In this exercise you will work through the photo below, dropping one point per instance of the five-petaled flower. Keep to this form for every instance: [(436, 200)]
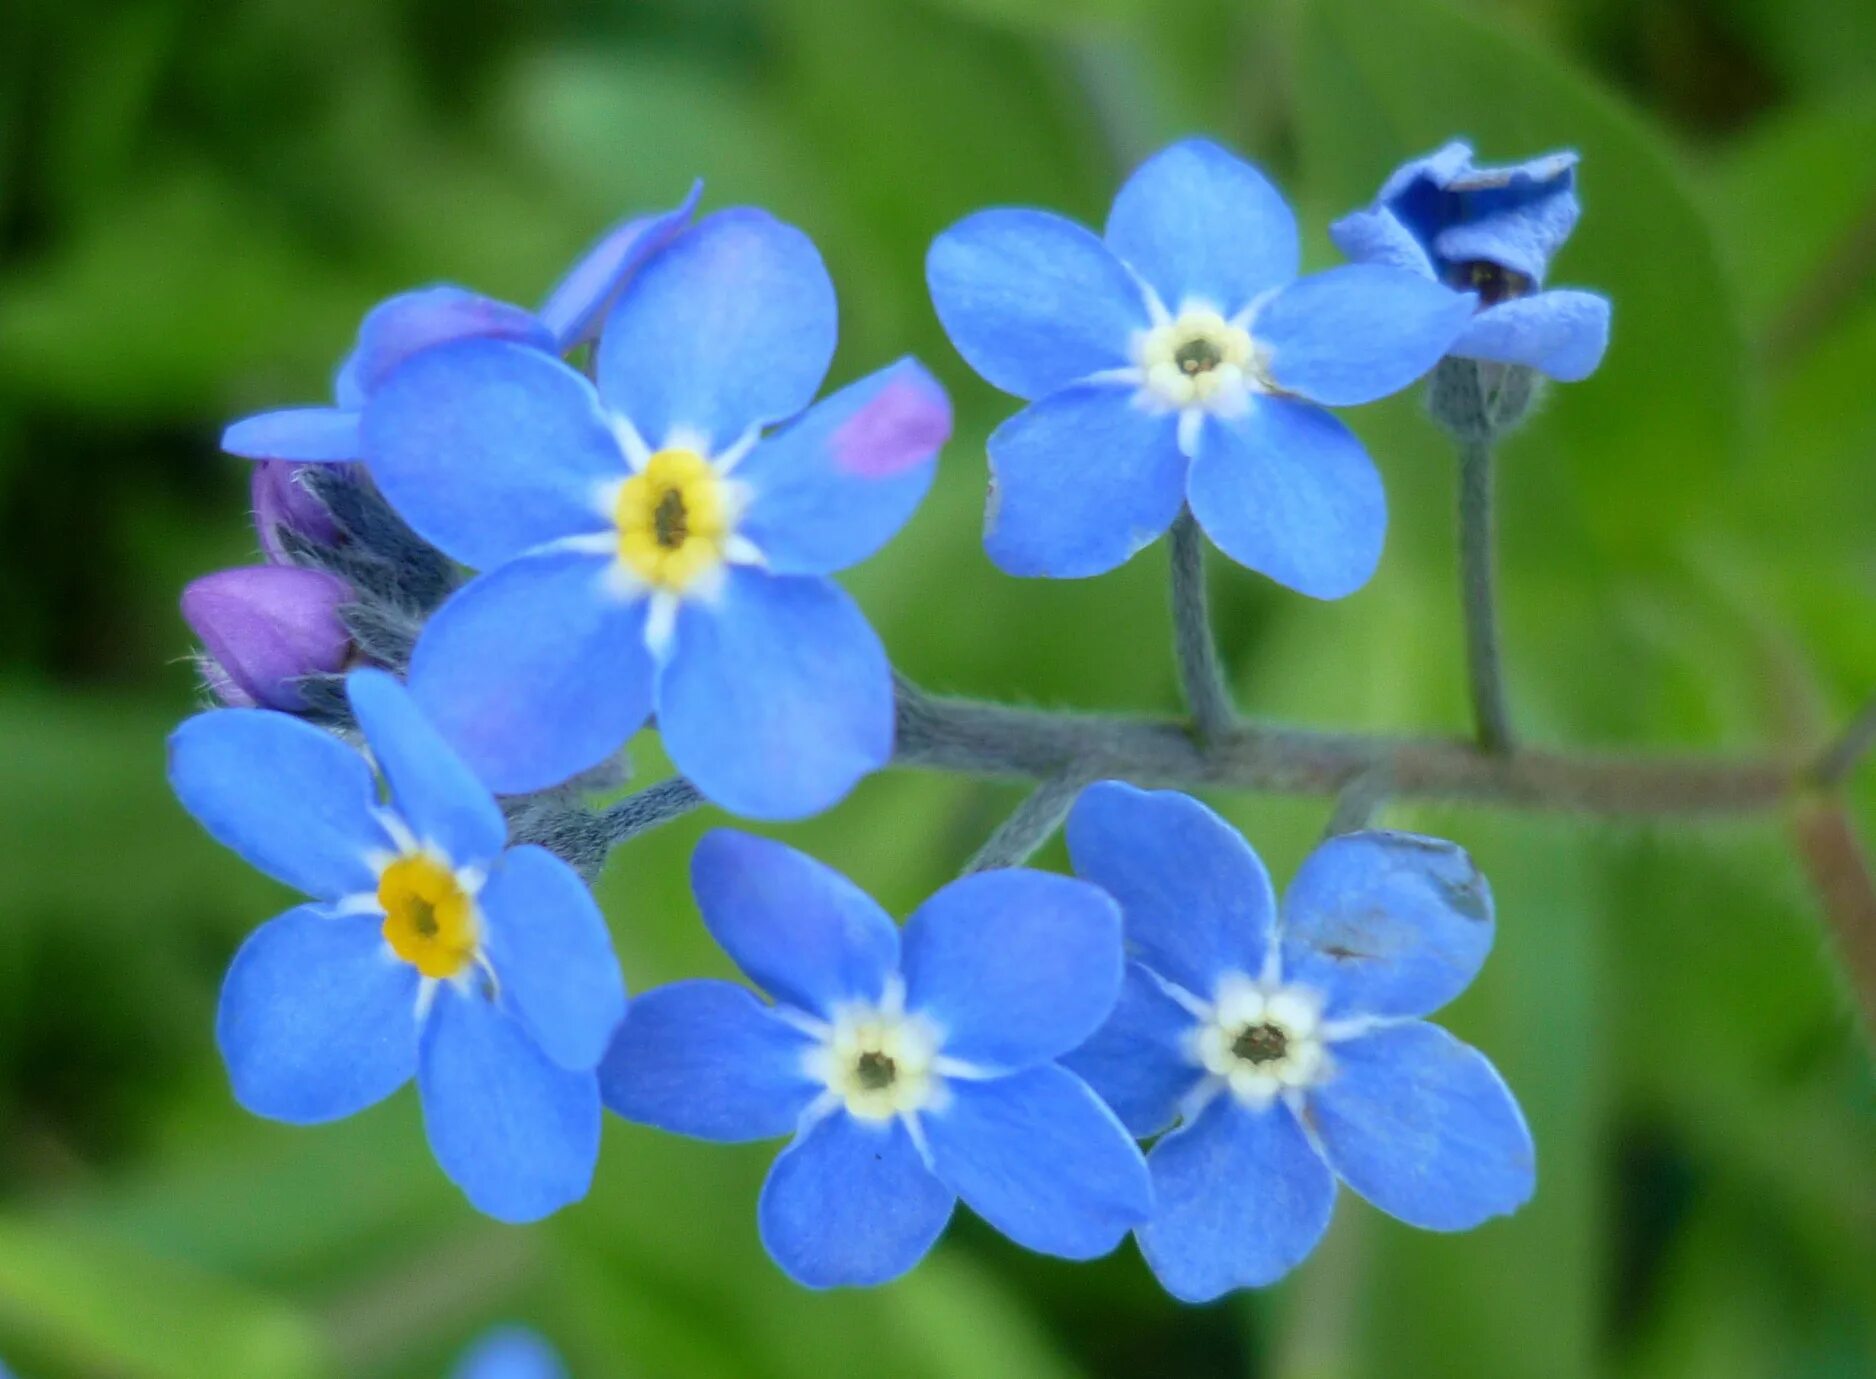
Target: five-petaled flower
[(1178, 361), (429, 947), (400, 326), (510, 1352), (909, 1078), (646, 546), (1491, 231), (1291, 1050)]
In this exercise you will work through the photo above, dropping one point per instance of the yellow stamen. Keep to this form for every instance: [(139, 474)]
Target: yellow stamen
[(429, 920), (673, 519)]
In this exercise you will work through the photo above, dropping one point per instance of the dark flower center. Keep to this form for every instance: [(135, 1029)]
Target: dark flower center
[(1197, 356), (1493, 282), (875, 1071), (1260, 1043), (670, 523)]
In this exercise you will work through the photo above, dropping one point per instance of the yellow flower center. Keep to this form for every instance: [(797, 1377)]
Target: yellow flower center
[(673, 519), (429, 920)]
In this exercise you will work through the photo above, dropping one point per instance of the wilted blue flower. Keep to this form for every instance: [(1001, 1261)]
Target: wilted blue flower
[(1180, 361), (908, 1080), (427, 948), (646, 546), (512, 1352), (1491, 231), (402, 325), (265, 627), (1290, 1049)]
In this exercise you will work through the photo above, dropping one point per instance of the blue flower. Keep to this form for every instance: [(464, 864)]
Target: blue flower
[(1177, 362), (511, 1352), (1290, 1049), (908, 1078), (426, 948), (646, 546), (400, 326), (1491, 231)]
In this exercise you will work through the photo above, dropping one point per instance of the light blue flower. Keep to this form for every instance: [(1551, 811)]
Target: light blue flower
[(909, 1078), (1491, 231), (1290, 1049), (1179, 361), (646, 546), (428, 947), (510, 1352), (402, 325)]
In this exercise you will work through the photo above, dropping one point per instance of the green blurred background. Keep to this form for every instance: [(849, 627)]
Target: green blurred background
[(199, 198)]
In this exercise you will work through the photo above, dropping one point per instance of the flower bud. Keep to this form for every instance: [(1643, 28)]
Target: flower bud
[(282, 501), (266, 626)]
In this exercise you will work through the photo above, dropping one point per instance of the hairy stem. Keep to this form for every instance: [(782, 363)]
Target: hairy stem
[(1478, 578), (1030, 826), (1201, 677)]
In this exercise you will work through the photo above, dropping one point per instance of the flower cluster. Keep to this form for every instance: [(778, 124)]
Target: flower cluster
[(517, 537)]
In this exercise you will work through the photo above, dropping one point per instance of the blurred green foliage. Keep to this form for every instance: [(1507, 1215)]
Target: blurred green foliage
[(198, 199)]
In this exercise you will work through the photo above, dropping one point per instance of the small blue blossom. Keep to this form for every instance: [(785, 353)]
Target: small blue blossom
[(1491, 231), (910, 1075), (428, 948), (646, 546), (1289, 1049), (1179, 361), (400, 326), (510, 1352)]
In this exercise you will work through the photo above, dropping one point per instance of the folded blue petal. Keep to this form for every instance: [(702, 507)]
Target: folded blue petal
[(707, 1059), (1562, 333), (309, 818), (1378, 236), (410, 322), (851, 1204), (1080, 481), (317, 1018), (310, 435), (1014, 967), (1137, 1061), (777, 697), (580, 300), (801, 930), (1357, 333), (1386, 924), (431, 789), (1032, 301), (1288, 491)]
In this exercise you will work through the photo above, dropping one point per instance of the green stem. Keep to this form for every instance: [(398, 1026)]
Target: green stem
[(1477, 578)]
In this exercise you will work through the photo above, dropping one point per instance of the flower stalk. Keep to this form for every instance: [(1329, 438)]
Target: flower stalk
[(1485, 674), (1201, 674)]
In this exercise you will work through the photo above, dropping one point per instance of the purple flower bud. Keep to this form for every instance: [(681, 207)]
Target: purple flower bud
[(281, 500), (264, 626)]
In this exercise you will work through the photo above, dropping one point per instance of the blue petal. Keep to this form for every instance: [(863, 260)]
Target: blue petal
[(1014, 966), (317, 1018), (431, 789), (778, 696), (552, 956), (1288, 491), (839, 483), (396, 329), (1032, 301), (488, 449), (290, 799), (1378, 236), (709, 1060), (731, 327), (1137, 1062), (1240, 1199), (1080, 481), (850, 1204), (1195, 899), (1516, 216), (1562, 333), (803, 932), (534, 671), (1386, 924), (581, 299), (311, 435), (1358, 333), (1039, 1157), (515, 1131), (511, 1353), (1423, 1127), (1197, 221)]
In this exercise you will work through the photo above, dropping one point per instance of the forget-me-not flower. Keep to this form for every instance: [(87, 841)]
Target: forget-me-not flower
[(1289, 1047), (510, 1352), (1179, 360), (411, 321), (428, 947), (910, 1074), (1491, 231), (646, 546)]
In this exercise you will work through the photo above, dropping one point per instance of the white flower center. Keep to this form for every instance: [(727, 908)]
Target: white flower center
[(878, 1061), (1261, 1039), (1199, 359)]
